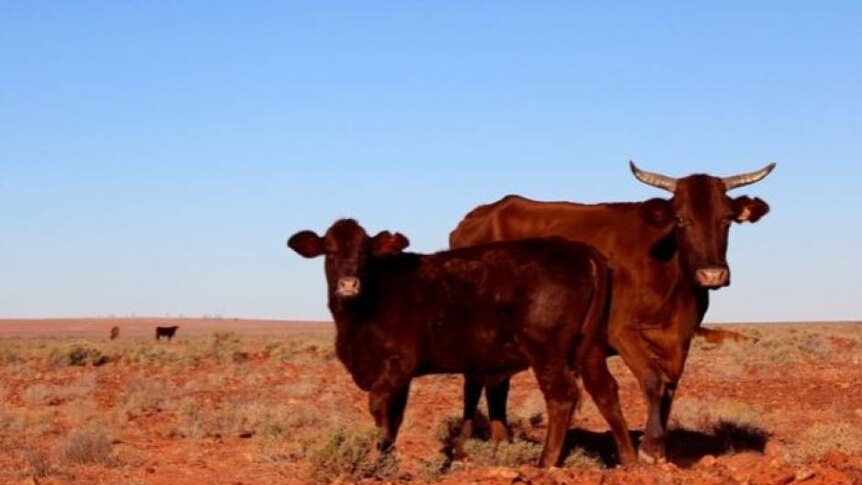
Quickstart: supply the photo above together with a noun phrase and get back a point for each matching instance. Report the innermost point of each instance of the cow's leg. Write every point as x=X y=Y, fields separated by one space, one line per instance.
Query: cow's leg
x=496 y=393
x=472 y=394
x=659 y=397
x=387 y=406
x=641 y=361
x=603 y=388
x=560 y=388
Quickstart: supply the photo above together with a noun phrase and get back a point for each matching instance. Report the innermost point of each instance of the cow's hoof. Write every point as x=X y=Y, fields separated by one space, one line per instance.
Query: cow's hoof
x=645 y=457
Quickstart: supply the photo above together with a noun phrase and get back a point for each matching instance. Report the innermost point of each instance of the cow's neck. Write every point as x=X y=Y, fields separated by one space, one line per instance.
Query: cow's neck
x=354 y=345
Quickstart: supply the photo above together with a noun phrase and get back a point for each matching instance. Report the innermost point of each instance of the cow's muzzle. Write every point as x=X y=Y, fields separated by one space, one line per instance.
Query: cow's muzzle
x=712 y=276
x=347 y=287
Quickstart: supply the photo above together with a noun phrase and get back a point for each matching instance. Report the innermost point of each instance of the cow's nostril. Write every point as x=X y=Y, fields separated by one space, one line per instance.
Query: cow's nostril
x=712 y=277
x=347 y=286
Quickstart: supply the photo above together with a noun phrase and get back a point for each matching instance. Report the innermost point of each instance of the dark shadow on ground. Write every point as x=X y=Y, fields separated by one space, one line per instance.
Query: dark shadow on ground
x=685 y=447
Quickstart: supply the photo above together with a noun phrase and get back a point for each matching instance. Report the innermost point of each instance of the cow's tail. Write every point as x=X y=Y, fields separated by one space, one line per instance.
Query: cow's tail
x=595 y=326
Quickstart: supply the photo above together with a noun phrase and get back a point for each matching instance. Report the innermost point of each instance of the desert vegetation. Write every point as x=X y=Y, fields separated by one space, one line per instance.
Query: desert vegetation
x=230 y=406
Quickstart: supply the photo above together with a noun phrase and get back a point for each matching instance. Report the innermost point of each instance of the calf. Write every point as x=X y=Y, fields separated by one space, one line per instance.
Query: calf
x=488 y=310
x=115 y=333
x=166 y=332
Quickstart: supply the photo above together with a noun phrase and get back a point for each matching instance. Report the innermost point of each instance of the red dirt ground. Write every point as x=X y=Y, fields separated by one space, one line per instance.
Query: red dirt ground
x=791 y=393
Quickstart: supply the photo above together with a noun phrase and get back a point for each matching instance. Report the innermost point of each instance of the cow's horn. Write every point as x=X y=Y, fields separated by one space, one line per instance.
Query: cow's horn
x=735 y=181
x=654 y=179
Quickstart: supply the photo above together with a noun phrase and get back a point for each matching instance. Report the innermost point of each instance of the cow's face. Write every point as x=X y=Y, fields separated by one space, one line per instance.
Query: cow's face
x=701 y=213
x=348 y=252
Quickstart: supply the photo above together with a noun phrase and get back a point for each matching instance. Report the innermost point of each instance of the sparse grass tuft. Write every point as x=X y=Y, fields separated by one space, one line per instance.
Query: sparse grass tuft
x=515 y=454
x=349 y=454
x=77 y=354
x=88 y=447
x=821 y=438
x=580 y=458
x=38 y=463
x=708 y=417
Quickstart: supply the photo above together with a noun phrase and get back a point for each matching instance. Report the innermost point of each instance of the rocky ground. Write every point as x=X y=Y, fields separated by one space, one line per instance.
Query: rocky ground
x=251 y=402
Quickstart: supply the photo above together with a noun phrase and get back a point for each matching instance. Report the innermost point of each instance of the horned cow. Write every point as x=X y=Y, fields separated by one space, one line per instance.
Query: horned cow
x=665 y=255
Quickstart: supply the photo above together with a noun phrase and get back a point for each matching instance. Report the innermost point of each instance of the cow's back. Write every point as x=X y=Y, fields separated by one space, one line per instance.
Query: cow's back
x=610 y=227
x=643 y=276
x=463 y=309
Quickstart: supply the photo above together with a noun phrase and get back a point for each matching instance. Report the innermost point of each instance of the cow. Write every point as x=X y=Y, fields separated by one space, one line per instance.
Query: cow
x=115 y=333
x=665 y=255
x=487 y=310
x=718 y=336
x=166 y=332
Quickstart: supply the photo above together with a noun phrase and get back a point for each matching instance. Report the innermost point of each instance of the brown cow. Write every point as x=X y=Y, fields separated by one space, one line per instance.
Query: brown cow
x=166 y=332
x=665 y=255
x=115 y=333
x=718 y=336
x=487 y=310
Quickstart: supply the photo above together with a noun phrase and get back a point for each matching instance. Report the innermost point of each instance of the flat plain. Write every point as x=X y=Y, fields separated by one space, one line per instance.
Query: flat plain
x=257 y=402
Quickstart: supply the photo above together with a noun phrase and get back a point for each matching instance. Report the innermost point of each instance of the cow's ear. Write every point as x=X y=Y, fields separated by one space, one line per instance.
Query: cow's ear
x=387 y=244
x=747 y=209
x=306 y=243
x=657 y=212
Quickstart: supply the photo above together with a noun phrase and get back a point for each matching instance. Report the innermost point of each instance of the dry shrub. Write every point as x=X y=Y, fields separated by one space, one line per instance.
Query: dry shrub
x=707 y=416
x=733 y=425
x=234 y=419
x=88 y=447
x=38 y=462
x=145 y=396
x=821 y=438
x=76 y=354
x=55 y=394
x=11 y=421
x=349 y=454
x=581 y=458
x=10 y=355
x=515 y=454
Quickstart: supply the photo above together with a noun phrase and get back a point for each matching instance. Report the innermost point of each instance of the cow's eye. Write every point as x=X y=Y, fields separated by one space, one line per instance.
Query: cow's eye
x=682 y=221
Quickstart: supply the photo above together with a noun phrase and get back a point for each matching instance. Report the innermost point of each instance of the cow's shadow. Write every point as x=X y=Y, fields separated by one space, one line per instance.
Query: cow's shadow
x=684 y=447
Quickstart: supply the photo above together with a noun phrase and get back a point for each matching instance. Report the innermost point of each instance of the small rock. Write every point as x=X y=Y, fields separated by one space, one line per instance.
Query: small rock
x=844 y=385
x=784 y=479
x=502 y=473
x=804 y=474
x=707 y=461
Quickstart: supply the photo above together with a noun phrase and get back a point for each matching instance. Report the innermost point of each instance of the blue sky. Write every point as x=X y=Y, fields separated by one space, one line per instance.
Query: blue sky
x=155 y=156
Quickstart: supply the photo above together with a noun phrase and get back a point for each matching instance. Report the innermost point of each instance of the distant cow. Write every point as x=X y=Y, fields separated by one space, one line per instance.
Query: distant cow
x=718 y=336
x=166 y=332
x=666 y=254
x=115 y=333
x=487 y=310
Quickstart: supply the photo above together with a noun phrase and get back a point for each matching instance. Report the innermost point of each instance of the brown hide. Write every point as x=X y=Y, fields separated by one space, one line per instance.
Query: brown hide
x=486 y=310
x=665 y=255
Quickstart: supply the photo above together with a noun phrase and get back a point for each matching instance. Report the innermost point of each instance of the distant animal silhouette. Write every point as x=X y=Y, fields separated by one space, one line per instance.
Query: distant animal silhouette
x=718 y=336
x=115 y=333
x=166 y=332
